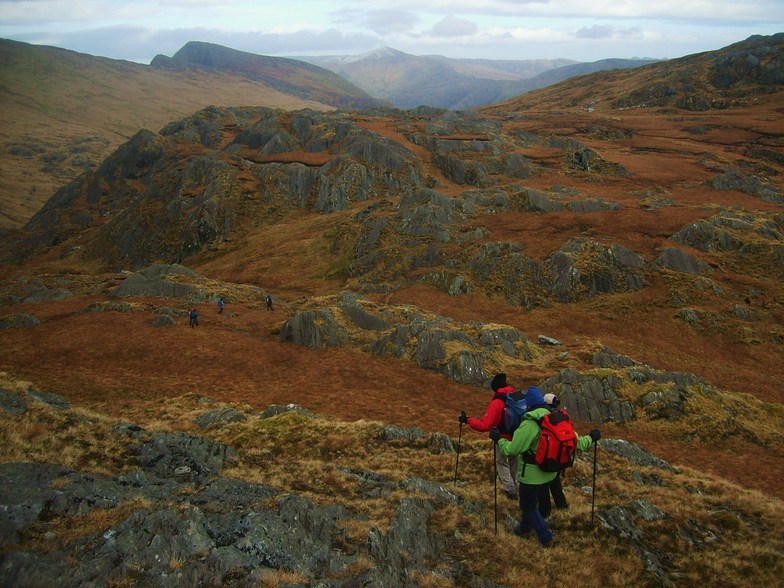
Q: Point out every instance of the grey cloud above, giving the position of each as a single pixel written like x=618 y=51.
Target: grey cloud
x=390 y=21
x=608 y=32
x=451 y=26
x=596 y=32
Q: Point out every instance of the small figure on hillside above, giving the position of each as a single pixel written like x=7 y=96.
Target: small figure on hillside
x=531 y=477
x=555 y=488
x=194 y=316
x=268 y=300
x=221 y=304
x=492 y=419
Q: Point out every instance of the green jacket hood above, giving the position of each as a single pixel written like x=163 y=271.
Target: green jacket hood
x=536 y=413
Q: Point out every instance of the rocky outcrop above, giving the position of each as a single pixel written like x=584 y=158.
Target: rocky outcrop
x=185 y=524
x=751 y=184
x=600 y=397
x=465 y=353
x=147 y=202
x=678 y=260
x=751 y=236
x=589 y=397
x=579 y=269
x=16 y=321
x=153 y=281
x=32 y=292
x=532 y=200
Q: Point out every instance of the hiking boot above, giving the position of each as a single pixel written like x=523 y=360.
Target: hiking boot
x=521 y=532
x=548 y=544
x=511 y=495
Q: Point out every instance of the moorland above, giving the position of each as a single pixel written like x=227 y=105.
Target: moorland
x=615 y=238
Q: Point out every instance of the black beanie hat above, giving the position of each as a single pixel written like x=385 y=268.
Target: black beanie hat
x=499 y=381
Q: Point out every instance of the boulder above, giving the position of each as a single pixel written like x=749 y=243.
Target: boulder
x=678 y=260
x=16 y=321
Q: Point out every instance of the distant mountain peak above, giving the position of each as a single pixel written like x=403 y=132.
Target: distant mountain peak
x=380 y=54
x=384 y=52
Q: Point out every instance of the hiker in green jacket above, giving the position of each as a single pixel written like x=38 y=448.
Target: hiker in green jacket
x=530 y=476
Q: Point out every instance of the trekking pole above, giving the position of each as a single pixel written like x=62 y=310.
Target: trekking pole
x=459 y=437
x=593 y=492
x=495 y=491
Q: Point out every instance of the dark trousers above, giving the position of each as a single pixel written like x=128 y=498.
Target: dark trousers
x=556 y=489
x=531 y=518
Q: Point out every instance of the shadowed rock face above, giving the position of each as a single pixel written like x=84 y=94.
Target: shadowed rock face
x=223 y=530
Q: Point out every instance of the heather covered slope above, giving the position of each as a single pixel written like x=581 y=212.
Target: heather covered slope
x=639 y=278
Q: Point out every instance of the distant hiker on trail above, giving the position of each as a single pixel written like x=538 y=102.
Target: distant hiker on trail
x=524 y=443
x=506 y=466
x=268 y=300
x=221 y=304
x=555 y=488
x=194 y=316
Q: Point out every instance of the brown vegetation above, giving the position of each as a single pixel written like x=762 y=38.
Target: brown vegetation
x=119 y=365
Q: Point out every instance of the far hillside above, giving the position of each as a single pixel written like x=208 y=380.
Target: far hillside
x=408 y=81
x=290 y=76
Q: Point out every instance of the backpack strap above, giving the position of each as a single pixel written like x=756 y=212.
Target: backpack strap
x=529 y=455
x=502 y=398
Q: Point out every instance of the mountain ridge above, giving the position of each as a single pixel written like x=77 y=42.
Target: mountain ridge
x=291 y=76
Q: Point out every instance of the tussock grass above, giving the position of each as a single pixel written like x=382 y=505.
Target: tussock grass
x=56 y=533
x=281 y=578
x=708 y=527
x=76 y=438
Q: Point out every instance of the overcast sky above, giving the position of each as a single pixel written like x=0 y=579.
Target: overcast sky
x=583 y=30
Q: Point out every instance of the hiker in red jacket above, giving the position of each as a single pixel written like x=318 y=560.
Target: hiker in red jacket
x=506 y=466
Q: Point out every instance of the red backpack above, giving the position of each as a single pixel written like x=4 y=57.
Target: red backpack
x=557 y=443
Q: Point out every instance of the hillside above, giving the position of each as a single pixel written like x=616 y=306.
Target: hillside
x=738 y=75
x=409 y=81
x=289 y=76
x=630 y=260
x=194 y=492
x=62 y=112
